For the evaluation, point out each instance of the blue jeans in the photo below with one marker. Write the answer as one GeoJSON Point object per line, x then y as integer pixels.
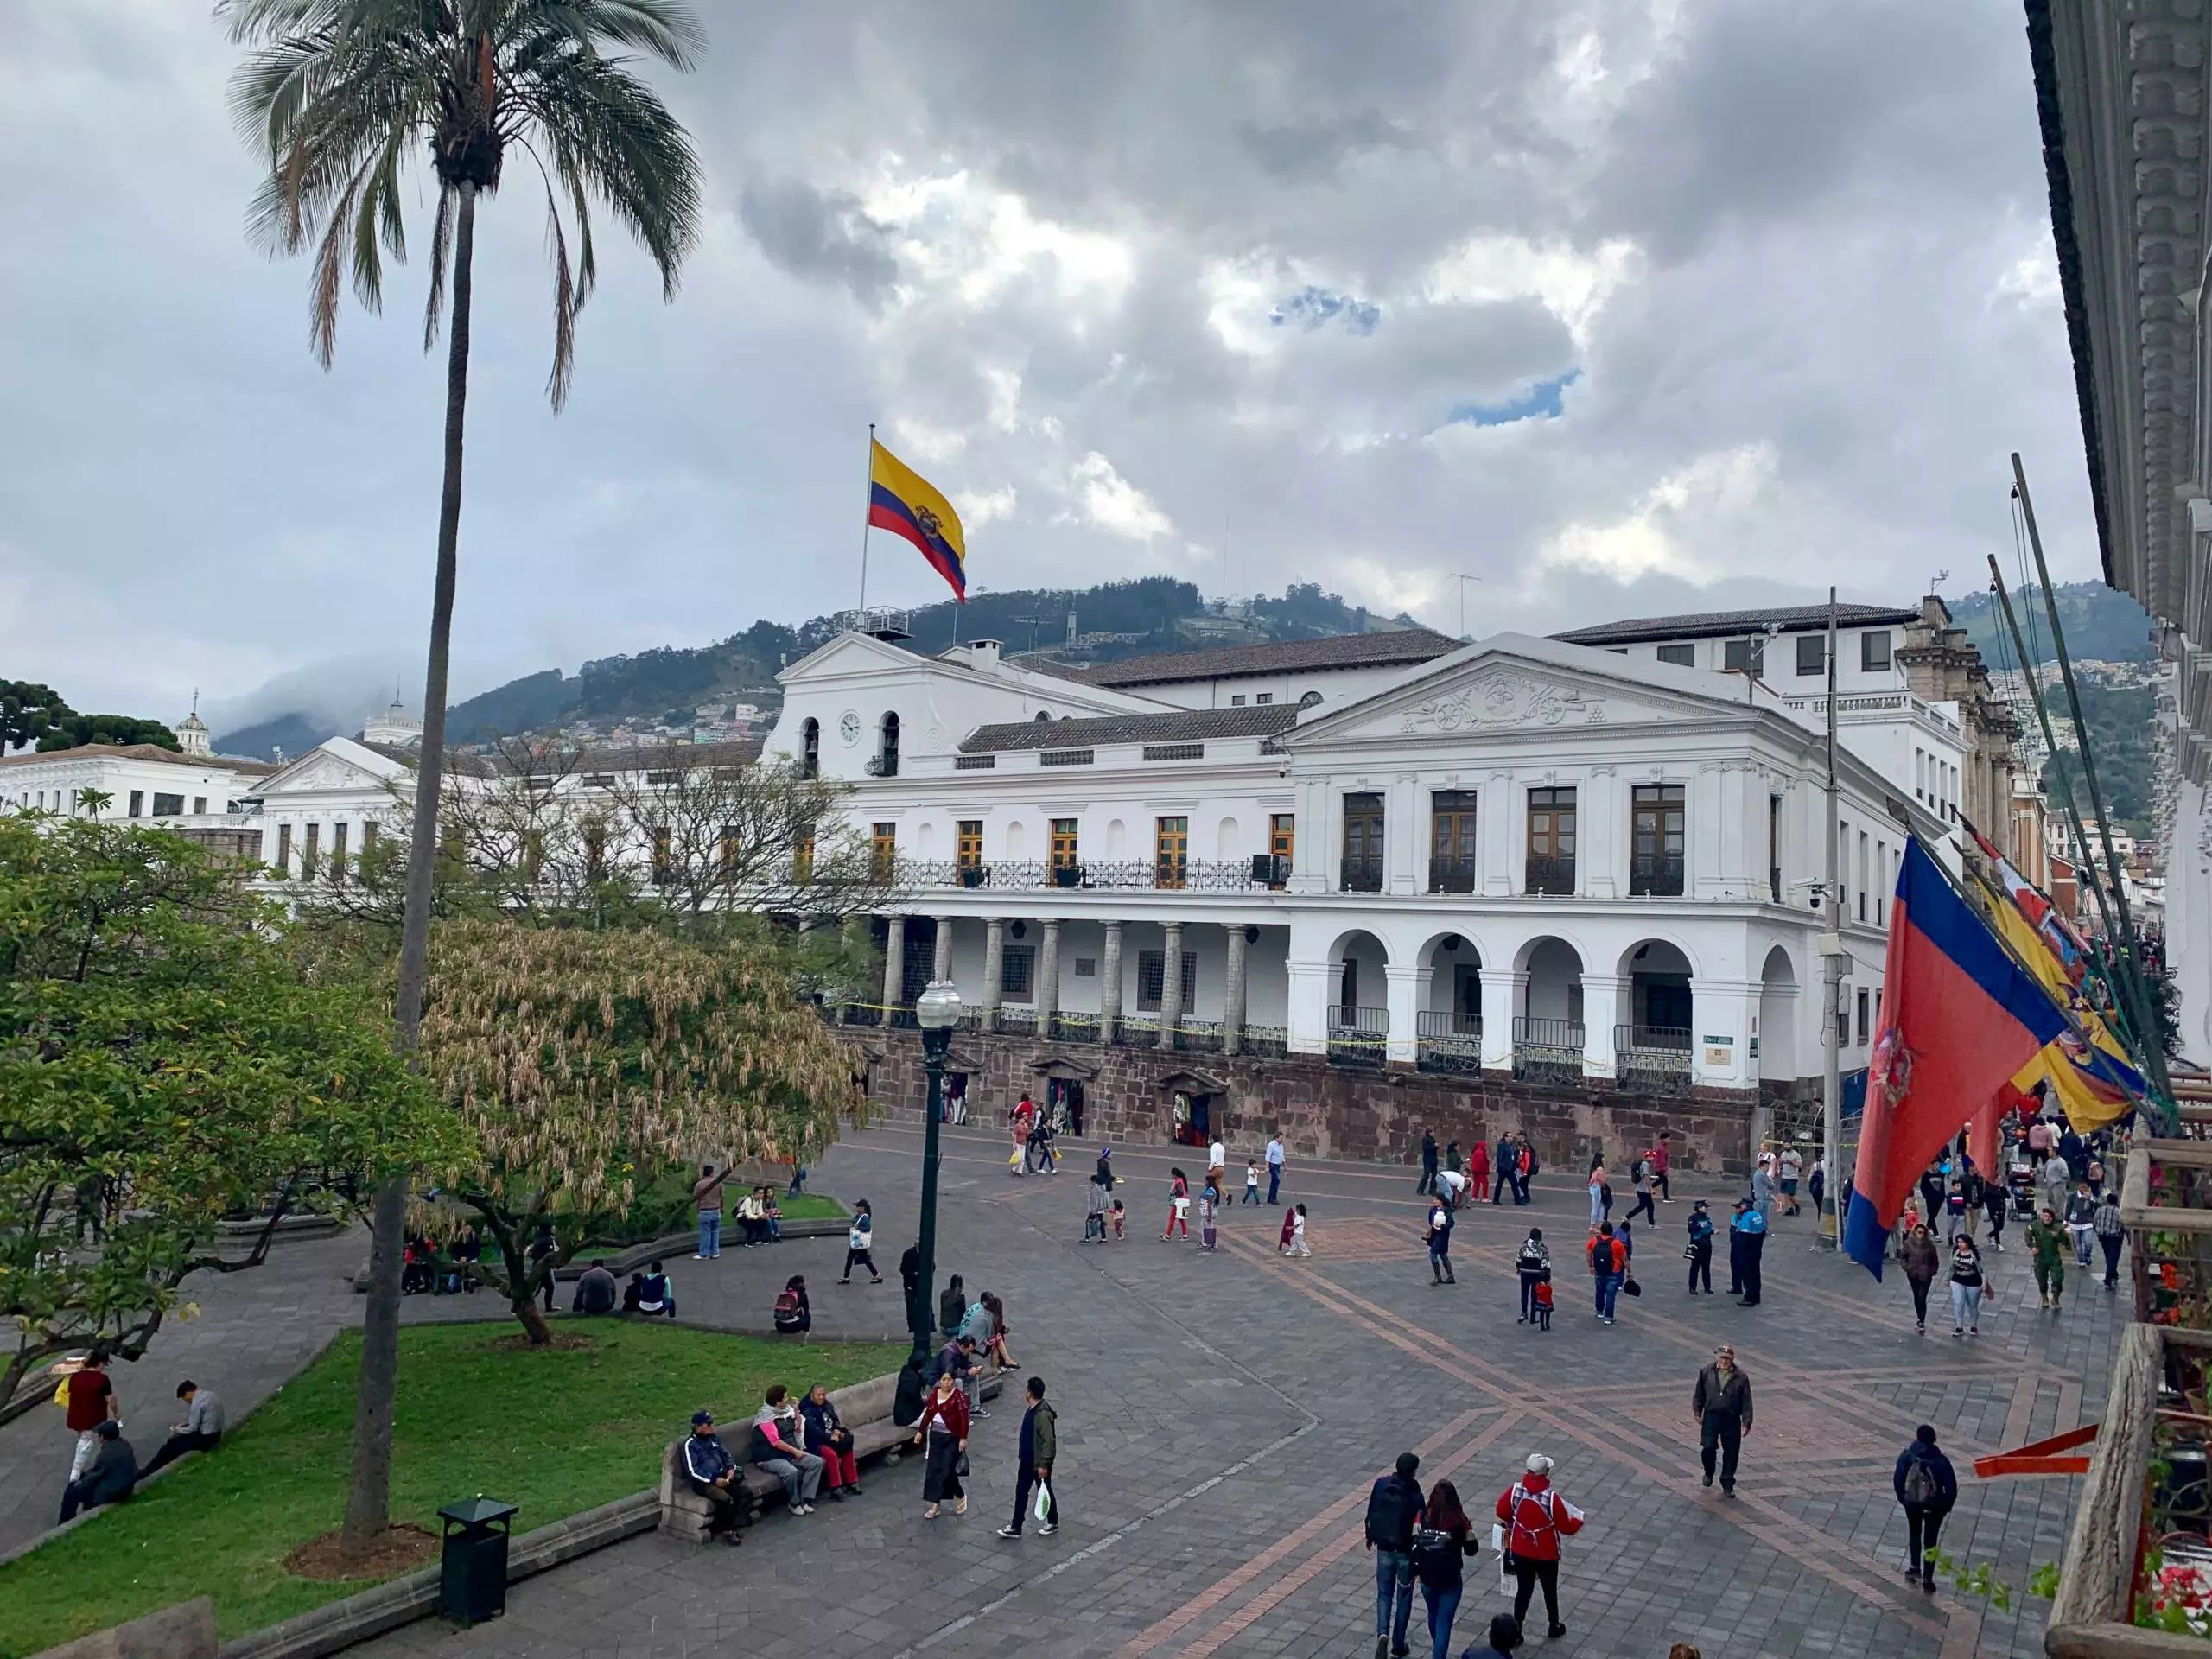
{"type": "Point", "coordinates": [1274, 1180]}
{"type": "Point", "coordinates": [710, 1233]}
{"type": "Point", "coordinates": [1608, 1289]}
{"type": "Point", "coordinates": [1443, 1608]}
{"type": "Point", "coordinates": [1394, 1574]}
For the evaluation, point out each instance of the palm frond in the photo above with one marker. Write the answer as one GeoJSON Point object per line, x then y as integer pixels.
{"type": "Point", "coordinates": [441, 254]}
{"type": "Point", "coordinates": [566, 300]}
{"type": "Point", "coordinates": [668, 30]}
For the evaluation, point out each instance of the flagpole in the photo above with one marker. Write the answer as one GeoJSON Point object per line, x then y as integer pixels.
{"type": "Point", "coordinates": [1831, 943]}
{"type": "Point", "coordinates": [868, 502]}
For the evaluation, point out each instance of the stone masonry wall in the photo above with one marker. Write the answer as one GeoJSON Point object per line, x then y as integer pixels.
{"type": "Point", "coordinates": [1321, 1110]}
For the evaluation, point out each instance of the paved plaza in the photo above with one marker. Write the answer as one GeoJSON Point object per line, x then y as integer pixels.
{"type": "Point", "coordinates": [1221, 1417]}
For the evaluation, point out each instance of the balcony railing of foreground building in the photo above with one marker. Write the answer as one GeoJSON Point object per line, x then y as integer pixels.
{"type": "Point", "coordinates": [1447, 1042]}
{"type": "Point", "coordinates": [1360, 873]}
{"type": "Point", "coordinates": [1359, 1036]}
{"type": "Point", "coordinates": [1549, 875]}
{"type": "Point", "coordinates": [1548, 1050]}
{"type": "Point", "coordinates": [1657, 875]}
{"type": "Point", "coordinates": [1450, 875]}
{"type": "Point", "coordinates": [1119, 875]}
{"type": "Point", "coordinates": [1653, 1059]}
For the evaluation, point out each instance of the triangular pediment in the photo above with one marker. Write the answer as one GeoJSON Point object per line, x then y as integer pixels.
{"type": "Point", "coordinates": [337, 763]}
{"type": "Point", "coordinates": [1513, 684]}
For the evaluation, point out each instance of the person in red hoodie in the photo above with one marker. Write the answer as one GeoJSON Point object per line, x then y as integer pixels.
{"type": "Point", "coordinates": [1477, 1170]}
{"type": "Point", "coordinates": [1535, 1518]}
{"type": "Point", "coordinates": [1658, 1156]}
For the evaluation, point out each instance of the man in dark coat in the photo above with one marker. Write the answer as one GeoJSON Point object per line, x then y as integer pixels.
{"type": "Point", "coordinates": [1927, 1486]}
{"type": "Point", "coordinates": [108, 1478]}
{"type": "Point", "coordinates": [1722, 1405]}
{"type": "Point", "coordinates": [1394, 1509]}
{"type": "Point", "coordinates": [1427, 1162]}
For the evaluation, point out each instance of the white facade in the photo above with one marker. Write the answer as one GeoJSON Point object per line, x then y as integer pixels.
{"type": "Point", "coordinates": [1412, 915]}
{"type": "Point", "coordinates": [141, 780]}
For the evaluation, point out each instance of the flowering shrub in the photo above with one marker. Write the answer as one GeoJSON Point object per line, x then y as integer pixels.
{"type": "Point", "coordinates": [2176, 1597]}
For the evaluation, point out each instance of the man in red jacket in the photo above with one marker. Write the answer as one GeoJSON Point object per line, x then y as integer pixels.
{"type": "Point", "coordinates": [1608, 1266]}
{"type": "Point", "coordinates": [1535, 1519]}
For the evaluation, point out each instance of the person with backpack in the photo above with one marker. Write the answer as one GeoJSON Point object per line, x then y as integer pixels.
{"type": "Point", "coordinates": [1439, 1242]}
{"type": "Point", "coordinates": [1531, 1262]}
{"type": "Point", "coordinates": [1535, 1519]}
{"type": "Point", "coordinates": [1394, 1513]}
{"type": "Point", "coordinates": [1721, 1402]}
{"type": "Point", "coordinates": [860, 1242]}
{"type": "Point", "coordinates": [1643, 1206]}
{"type": "Point", "coordinates": [794, 1316]}
{"type": "Point", "coordinates": [1927, 1486]}
{"type": "Point", "coordinates": [1608, 1266]}
{"type": "Point", "coordinates": [1699, 1252]}
{"type": "Point", "coordinates": [1441, 1543]}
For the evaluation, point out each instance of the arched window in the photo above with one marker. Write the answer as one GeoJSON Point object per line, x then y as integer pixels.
{"type": "Point", "coordinates": [1309, 699]}
{"type": "Point", "coordinates": [809, 765]}
{"type": "Point", "coordinates": [1044, 714]}
{"type": "Point", "coordinates": [886, 763]}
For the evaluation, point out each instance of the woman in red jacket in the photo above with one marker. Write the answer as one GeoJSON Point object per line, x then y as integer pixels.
{"type": "Point", "coordinates": [1535, 1519]}
{"type": "Point", "coordinates": [1477, 1169]}
{"type": "Point", "coordinates": [943, 1427]}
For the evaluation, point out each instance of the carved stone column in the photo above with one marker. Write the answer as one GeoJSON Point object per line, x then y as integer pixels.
{"type": "Point", "coordinates": [1232, 993]}
{"type": "Point", "coordinates": [1048, 978]}
{"type": "Point", "coordinates": [1109, 985]}
{"type": "Point", "coordinates": [894, 961]}
{"type": "Point", "coordinates": [1171, 985]}
{"type": "Point", "coordinates": [941, 963]}
{"type": "Point", "coordinates": [994, 970]}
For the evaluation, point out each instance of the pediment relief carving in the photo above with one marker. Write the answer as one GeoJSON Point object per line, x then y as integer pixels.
{"type": "Point", "coordinates": [328, 772]}
{"type": "Point", "coordinates": [1501, 701]}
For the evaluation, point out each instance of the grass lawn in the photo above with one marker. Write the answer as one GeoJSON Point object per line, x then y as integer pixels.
{"type": "Point", "coordinates": [555, 1432]}
{"type": "Point", "coordinates": [807, 1206]}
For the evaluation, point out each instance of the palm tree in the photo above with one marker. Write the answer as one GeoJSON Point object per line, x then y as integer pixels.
{"type": "Point", "coordinates": [342, 96]}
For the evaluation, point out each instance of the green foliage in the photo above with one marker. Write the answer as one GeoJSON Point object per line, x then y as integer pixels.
{"type": "Point", "coordinates": [2102, 624]}
{"type": "Point", "coordinates": [555, 1431]}
{"type": "Point", "coordinates": [31, 713]}
{"type": "Point", "coordinates": [162, 1065]}
{"type": "Point", "coordinates": [1980, 1579]}
{"type": "Point", "coordinates": [523, 705]}
{"type": "Point", "coordinates": [77, 730]}
{"type": "Point", "coordinates": [2123, 725]}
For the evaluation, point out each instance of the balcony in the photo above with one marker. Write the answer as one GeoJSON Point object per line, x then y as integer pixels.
{"type": "Point", "coordinates": [1651, 875]}
{"type": "Point", "coordinates": [1550, 876]}
{"type": "Point", "coordinates": [1652, 1060]}
{"type": "Point", "coordinates": [1359, 1036]}
{"type": "Point", "coordinates": [1448, 1041]}
{"type": "Point", "coordinates": [1197, 1037]}
{"type": "Point", "coordinates": [1548, 1050]}
{"type": "Point", "coordinates": [1266, 1042]}
{"type": "Point", "coordinates": [1117, 876]}
{"type": "Point", "coordinates": [1450, 875]}
{"type": "Point", "coordinates": [883, 765]}
{"type": "Point", "coordinates": [1360, 873]}
{"type": "Point", "coordinates": [1069, 1027]}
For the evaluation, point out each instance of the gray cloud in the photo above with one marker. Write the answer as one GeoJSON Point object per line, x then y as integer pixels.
{"type": "Point", "coordinates": [1798, 257]}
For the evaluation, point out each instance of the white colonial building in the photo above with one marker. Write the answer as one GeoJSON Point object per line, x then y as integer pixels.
{"type": "Point", "coordinates": [1588, 863]}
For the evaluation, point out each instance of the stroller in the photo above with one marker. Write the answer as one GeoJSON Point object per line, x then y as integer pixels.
{"type": "Point", "coordinates": [2020, 1182]}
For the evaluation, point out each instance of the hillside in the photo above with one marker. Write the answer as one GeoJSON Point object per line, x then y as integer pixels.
{"type": "Point", "coordinates": [2101, 624]}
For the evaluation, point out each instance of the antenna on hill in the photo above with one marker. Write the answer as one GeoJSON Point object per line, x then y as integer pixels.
{"type": "Point", "coordinates": [1034, 622]}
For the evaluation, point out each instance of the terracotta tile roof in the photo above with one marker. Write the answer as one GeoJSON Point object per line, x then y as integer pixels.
{"type": "Point", "coordinates": [1395, 648]}
{"type": "Point", "coordinates": [1705, 625]}
{"type": "Point", "coordinates": [1184, 726]}
{"type": "Point", "coordinates": [139, 751]}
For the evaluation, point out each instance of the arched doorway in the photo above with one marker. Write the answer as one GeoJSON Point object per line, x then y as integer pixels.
{"type": "Point", "coordinates": [1448, 1022]}
{"type": "Point", "coordinates": [1651, 1041]}
{"type": "Point", "coordinates": [1359, 1013]}
{"type": "Point", "coordinates": [1775, 1040]}
{"type": "Point", "coordinates": [1548, 1033]}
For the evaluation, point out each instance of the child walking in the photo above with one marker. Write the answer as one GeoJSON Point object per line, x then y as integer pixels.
{"type": "Point", "coordinates": [1115, 1212]}
{"type": "Point", "coordinates": [1298, 1232]}
{"type": "Point", "coordinates": [1209, 1203]}
{"type": "Point", "coordinates": [1179, 1204]}
{"type": "Point", "coordinates": [1543, 1298]}
{"type": "Point", "coordinates": [1252, 1181]}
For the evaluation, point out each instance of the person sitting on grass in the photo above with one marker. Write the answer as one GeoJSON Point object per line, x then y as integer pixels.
{"type": "Point", "coordinates": [794, 1315]}
{"type": "Point", "coordinates": [827, 1439]}
{"type": "Point", "coordinates": [654, 1294]}
{"type": "Point", "coordinates": [596, 1292]}
{"type": "Point", "coordinates": [713, 1474]}
{"type": "Point", "coordinates": [200, 1430]}
{"type": "Point", "coordinates": [109, 1477]}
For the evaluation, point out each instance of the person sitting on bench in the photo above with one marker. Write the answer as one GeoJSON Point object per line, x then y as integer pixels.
{"type": "Point", "coordinates": [713, 1474]}
{"type": "Point", "coordinates": [779, 1448]}
{"type": "Point", "coordinates": [596, 1292]}
{"type": "Point", "coordinates": [654, 1295]}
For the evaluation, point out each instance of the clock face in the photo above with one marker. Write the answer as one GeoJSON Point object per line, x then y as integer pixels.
{"type": "Point", "coordinates": [849, 727]}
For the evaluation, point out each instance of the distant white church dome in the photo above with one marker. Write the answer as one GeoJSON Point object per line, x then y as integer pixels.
{"type": "Point", "coordinates": [395, 726]}
{"type": "Point", "coordinates": [192, 731]}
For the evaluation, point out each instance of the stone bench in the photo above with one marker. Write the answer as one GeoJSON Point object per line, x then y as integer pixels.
{"type": "Point", "coordinates": [864, 1408]}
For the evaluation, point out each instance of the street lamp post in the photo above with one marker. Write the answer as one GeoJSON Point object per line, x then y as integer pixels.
{"type": "Point", "coordinates": [936, 1011]}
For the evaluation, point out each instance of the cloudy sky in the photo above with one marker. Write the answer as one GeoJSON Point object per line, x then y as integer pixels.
{"type": "Point", "coordinates": [1622, 306]}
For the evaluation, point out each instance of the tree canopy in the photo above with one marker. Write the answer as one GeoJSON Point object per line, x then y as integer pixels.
{"type": "Point", "coordinates": [36, 714]}
{"type": "Point", "coordinates": [163, 1066]}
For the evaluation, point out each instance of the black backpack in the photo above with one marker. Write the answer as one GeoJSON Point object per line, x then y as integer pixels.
{"type": "Point", "coordinates": [1389, 1513]}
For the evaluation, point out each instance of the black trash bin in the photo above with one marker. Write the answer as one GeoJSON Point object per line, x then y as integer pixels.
{"type": "Point", "coordinates": [473, 1575]}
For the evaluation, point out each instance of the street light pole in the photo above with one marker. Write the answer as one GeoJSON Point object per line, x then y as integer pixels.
{"type": "Point", "coordinates": [936, 1011]}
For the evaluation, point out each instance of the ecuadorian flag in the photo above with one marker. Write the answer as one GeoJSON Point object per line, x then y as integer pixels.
{"type": "Point", "coordinates": [902, 501]}
{"type": "Point", "coordinates": [1959, 1018]}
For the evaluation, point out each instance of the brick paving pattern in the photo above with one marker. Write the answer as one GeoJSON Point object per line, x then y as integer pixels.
{"type": "Point", "coordinates": [1222, 1416]}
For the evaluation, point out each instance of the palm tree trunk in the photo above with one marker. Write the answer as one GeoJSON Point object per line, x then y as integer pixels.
{"type": "Point", "coordinates": [368, 1502]}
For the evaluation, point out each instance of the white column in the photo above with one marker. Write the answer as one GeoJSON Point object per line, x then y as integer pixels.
{"type": "Point", "coordinates": [1736, 856]}
{"type": "Point", "coordinates": [1606, 1002]}
{"type": "Point", "coordinates": [1502, 988]}
{"type": "Point", "coordinates": [1109, 985]}
{"type": "Point", "coordinates": [941, 961]}
{"type": "Point", "coordinates": [1233, 992]}
{"type": "Point", "coordinates": [1048, 977]}
{"type": "Point", "coordinates": [1703, 875]}
{"type": "Point", "coordinates": [994, 970]}
{"type": "Point", "coordinates": [1309, 852]}
{"type": "Point", "coordinates": [894, 961]}
{"type": "Point", "coordinates": [1503, 824]}
{"type": "Point", "coordinates": [1171, 982]}
{"type": "Point", "coordinates": [1721, 1011]}
{"type": "Point", "coordinates": [1403, 997]}
{"type": "Point", "coordinates": [1402, 871]}
{"type": "Point", "coordinates": [1601, 833]}
{"type": "Point", "coordinates": [1308, 1012]}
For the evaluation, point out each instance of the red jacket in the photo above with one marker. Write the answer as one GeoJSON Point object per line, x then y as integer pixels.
{"type": "Point", "coordinates": [1536, 1518]}
{"type": "Point", "coordinates": [1615, 1253]}
{"type": "Point", "coordinates": [953, 1409]}
{"type": "Point", "coordinates": [1479, 1163]}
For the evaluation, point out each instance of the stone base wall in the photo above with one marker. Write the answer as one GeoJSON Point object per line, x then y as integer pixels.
{"type": "Point", "coordinates": [1320, 1110]}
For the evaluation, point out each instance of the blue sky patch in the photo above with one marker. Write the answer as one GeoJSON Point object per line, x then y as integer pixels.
{"type": "Point", "coordinates": [1541, 402]}
{"type": "Point", "coordinates": [1311, 307]}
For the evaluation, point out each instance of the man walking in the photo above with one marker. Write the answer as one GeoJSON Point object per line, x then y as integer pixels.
{"type": "Point", "coordinates": [1427, 1162]}
{"type": "Point", "coordinates": [200, 1430]}
{"type": "Point", "coordinates": [1659, 1167]}
{"type": "Point", "coordinates": [1040, 1444]}
{"type": "Point", "coordinates": [1275, 1166]}
{"type": "Point", "coordinates": [1439, 1242]}
{"type": "Point", "coordinates": [1505, 1176]}
{"type": "Point", "coordinates": [88, 1400]}
{"type": "Point", "coordinates": [1722, 1405]}
{"type": "Point", "coordinates": [1926, 1486]}
{"type": "Point", "coordinates": [707, 1198]}
{"type": "Point", "coordinates": [1394, 1509]}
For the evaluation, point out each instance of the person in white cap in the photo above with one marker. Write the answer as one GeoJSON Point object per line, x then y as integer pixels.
{"type": "Point", "coordinates": [1535, 1518]}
